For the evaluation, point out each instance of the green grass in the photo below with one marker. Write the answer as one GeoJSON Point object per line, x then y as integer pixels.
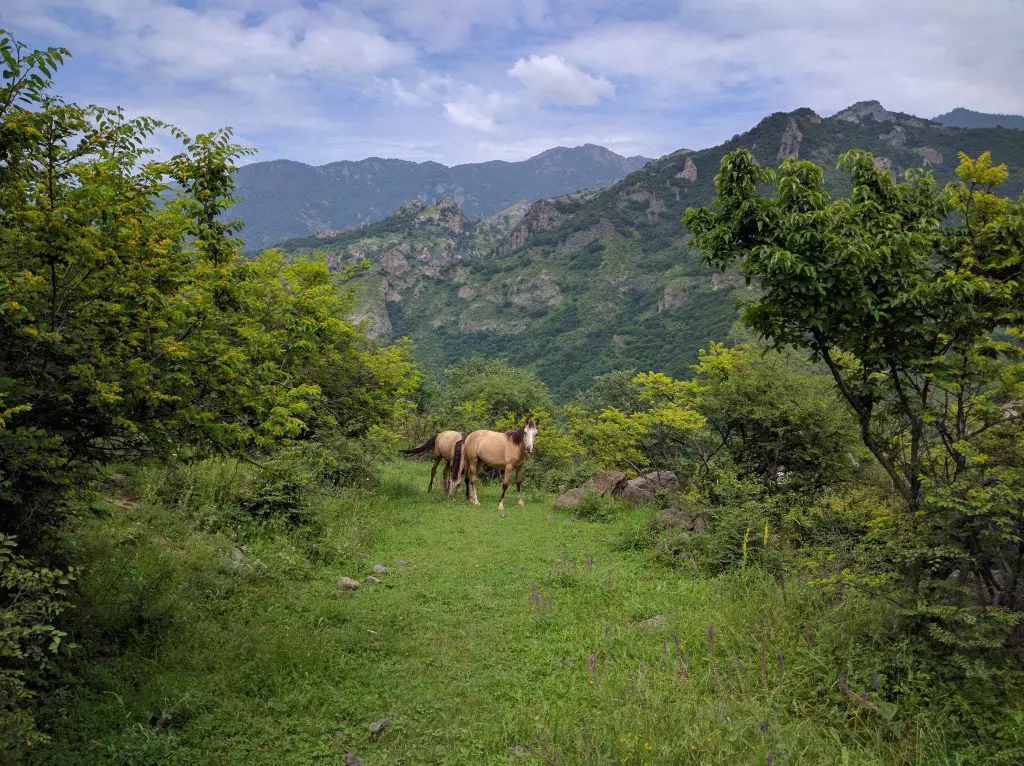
{"type": "Point", "coordinates": [515, 638]}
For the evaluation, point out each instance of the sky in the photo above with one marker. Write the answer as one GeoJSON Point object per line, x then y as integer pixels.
{"type": "Point", "coordinates": [472, 80]}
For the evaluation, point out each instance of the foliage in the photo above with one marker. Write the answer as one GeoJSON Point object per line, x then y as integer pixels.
{"type": "Point", "coordinates": [911, 295]}
{"type": "Point", "coordinates": [31, 597]}
{"type": "Point", "coordinates": [478, 393]}
{"type": "Point", "coordinates": [132, 325]}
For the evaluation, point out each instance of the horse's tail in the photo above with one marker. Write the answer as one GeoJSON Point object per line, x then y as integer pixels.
{"type": "Point", "coordinates": [422, 449]}
{"type": "Point", "coordinates": [456, 465]}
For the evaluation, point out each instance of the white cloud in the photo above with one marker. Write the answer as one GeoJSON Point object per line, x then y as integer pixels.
{"type": "Point", "coordinates": [554, 80]}
{"type": "Point", "coordinates": [475, 110]}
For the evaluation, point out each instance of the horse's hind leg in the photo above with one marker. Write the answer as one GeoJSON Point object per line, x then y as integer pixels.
{"type": "Point", "coordinates": [519, 486]}
{"type": "Point", "coordinates": [471, 476]}
{"type": "Point", "coordinates": [504, 486]}
{"type": "Point", "coordinates": [433, 470]}
{"type": "Point", "coordinates": [446, 475]}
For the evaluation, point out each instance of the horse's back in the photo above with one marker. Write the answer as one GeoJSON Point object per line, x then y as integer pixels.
{"type": "Point", "coordinates": [489, 446]}
{"type": "Point", "coordinates": [445, 443]}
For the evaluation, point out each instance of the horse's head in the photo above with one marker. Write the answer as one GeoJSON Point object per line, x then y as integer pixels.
{"type": "Point", "coordinates": [529, 434]}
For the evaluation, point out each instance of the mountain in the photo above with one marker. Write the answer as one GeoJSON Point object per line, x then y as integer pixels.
{"type": "Point", "coordinates": [967, 118]}
{"type": "Point", "coordinates": [282, 198]}
{"type": "Point", "coordinates": [583, 284]}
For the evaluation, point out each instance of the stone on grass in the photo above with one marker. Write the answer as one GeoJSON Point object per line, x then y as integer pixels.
{"type": "Point", "coordinates": [604, 482]}
{"type": "Point", "coordinates": [237, 557]}
{"type": "Point", "coordinates": [643, 489]}
{"type": "Point", "coordinates": [381, 726]}
{"type": "Point", "coordinates": [347, 583]}
{"type": "Point", "coordinates": [653, 622]}
{"type": "Point", "coordinates": [570, 498]}
{"type": "Point", "coordinates": [351, 759]}
{"type": "Point", "coordinates": [371, 580]}
{"type": "Point", "coordinates": [380, 568]}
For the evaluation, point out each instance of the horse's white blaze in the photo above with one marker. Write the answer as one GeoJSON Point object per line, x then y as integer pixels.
{"type": "Point", "coordinates": [529, 433]}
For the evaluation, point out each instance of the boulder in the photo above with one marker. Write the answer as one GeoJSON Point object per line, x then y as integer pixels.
{"type": "Point", "coordinates": [347, 583]}
{"type": "Point", "coordinates": [371, 580]}
{"type": "Point", "coordinates": [643, 489]}
{"type": "Point", "coordinates": [602, 483]}
{"type": "Point", "coordinates": [380, 569]}
{"type": "Point", "coordinates": [570, 498]}
{"type": "Point", "coordinates": [606, 481]}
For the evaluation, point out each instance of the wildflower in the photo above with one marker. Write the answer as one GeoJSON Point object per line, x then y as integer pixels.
{"type": "Point", "coordinates": [647, 745]}
{"type": "Point", "coordinates": [764, 726]}
{"type": "Point", "coordinates": [693, 747]}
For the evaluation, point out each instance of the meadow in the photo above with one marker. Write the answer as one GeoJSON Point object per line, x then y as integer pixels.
{"type": "Point", "coordinates": [528, 636]}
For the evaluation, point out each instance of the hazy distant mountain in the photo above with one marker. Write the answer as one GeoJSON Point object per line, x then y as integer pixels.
{"type": "Point", "coordinates": [967, 118]}
{"type": "Point", "coordinates": [581, 285]}
{"type": "Point", "coordinates": [283, 198]}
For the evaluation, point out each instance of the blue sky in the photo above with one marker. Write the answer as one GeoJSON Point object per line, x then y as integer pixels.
{"type": "Point", "coordinates": [471, 80]}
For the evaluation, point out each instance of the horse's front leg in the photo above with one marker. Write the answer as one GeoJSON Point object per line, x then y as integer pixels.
{"type": "Point", "coordinates": [519, 485]}
{"type": "Point", "coordinates": [504, 486]}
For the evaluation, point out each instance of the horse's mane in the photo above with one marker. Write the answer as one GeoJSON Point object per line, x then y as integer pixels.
{"type": "Point", "coordinates": [517, 436]}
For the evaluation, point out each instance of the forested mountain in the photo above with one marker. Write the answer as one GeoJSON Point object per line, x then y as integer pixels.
{"type": "Point", "coordinates": [584, 284]}
{"type": "Point", "coordinates": [283, 198]}
{"type": "Point", "coordinates": [967, 118]}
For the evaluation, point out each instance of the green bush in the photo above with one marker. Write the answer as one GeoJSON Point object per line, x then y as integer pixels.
{"type": "Point", "coordinates": [594, 506]}
{"type": "Point", "coordinates": [31, 597]}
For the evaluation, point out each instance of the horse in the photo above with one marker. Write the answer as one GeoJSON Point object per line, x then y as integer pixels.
{"type": "Point", "coordinates": [443, 445]}
{"type": "Point", "coordinates": [496, 449]}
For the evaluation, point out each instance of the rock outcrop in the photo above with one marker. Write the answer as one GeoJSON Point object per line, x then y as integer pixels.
{"type": "Point", "coordinates": [791, 138]}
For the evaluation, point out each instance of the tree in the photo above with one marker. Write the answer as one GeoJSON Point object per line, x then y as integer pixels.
{"type": "Point", "coordinates": [130, 323]}
{"type": "Point", "coordinates": [911, 295]}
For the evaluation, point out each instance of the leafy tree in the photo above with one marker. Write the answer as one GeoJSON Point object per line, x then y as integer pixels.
{"type": "Point", "coordinates": [131, 326]}
{"type": "Point", "coordinates": [775, 414]}
{"type": "Point", "coordinates": [911, 295]}
{"type": "Point", "coordinates": [478, 393]}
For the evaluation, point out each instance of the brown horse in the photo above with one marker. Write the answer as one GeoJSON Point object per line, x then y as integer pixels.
{"type": "Point", "coordinates": [509, 450]}
{"type": "Point", "coordinates": [443, 445]}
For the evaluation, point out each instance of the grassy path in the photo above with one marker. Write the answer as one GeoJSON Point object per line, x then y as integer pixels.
{"type": "Point", "coordinates": [523, 637]}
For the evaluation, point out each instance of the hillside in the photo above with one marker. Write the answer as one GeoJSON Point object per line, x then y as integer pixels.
{"type": "Point", "coordinates": [967, 118]}
{"type": "Point", "coordinates": [283, 198]}
{"type": "Point", "coordinates": [585, 284]}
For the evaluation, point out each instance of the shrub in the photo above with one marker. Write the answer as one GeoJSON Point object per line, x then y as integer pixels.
{"type": "Point", "coordinates": [31, 597]}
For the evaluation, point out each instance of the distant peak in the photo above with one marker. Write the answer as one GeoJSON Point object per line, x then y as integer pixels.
{"type": "Point", "coordinates": [864, 109]}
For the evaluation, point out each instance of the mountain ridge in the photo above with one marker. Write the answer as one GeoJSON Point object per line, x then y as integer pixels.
{"type": "Point", "coordinates": [284, 198]}
{"type": "Point", "coordinates": [583, 284]}
{"type": "Point", "coordinates": [962, 117]}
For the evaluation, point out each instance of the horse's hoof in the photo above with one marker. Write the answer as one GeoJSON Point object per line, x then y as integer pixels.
{"type": "Point", "coordinates": [522, 504]}
{"type": "Point", "coordinates": [501, 506]}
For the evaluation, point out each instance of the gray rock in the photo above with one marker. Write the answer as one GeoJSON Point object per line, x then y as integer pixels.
{"type": "Point", "coordinates": [353, 760]}
{"type": "Point", "coordinates": [381, 726]}
{"type": "Point", "coordinates": [237, 557]}
{"type": "Point", "coordinates": [371, 580]}
{"type": "Point", "coordinates": [653, 622]}
{"type": "Point", "coordinates": [380, 569]}
{"type": "Point", "coordinates": [403, 563]}
{"type": "Point", "coordinates": [347, 583]}
{"type": "Point", "coordinates": [643, 489]}
{"type": "Point", "coordinates": [606, 481]}
{"type": "Point", "coordinates": [570, 498]}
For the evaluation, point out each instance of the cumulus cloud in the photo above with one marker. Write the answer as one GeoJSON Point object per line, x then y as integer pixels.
{"type": "Point", "coordinates": [467, 80]}
{"type": "Point", "coordinates": [554, 80]}
{"type": "Point", "coordinates": [475, 110]}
